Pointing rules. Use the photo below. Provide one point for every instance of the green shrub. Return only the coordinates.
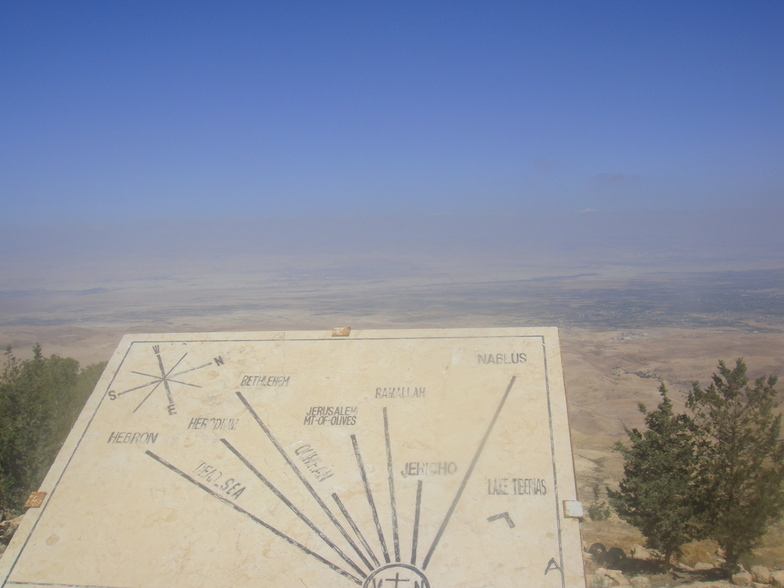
(717, 473)
(40, 399)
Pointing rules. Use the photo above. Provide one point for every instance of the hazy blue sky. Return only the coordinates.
(150, 110)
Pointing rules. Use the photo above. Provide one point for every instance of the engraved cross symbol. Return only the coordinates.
(396, 579)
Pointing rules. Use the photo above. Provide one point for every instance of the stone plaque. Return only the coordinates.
(381, 459)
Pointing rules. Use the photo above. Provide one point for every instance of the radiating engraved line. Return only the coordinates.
(391, 477)
(293, 508)
(369, 495)
(468, 473)
(153, 376)
(157, 381)
(191, 369)
(304, 481)
(183, 383)
(355, 528)
(148, 395)
(415, 538)
(254, 518)
(174, 367)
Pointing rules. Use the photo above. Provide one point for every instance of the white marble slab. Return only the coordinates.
(383, 459)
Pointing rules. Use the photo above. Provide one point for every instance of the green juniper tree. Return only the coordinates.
(740, 458)
(656, 492)
(40, 400)
(717, 474)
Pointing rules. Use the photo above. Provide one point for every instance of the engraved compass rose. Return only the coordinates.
(167, 377)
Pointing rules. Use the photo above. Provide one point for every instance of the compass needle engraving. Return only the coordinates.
(166, 378)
